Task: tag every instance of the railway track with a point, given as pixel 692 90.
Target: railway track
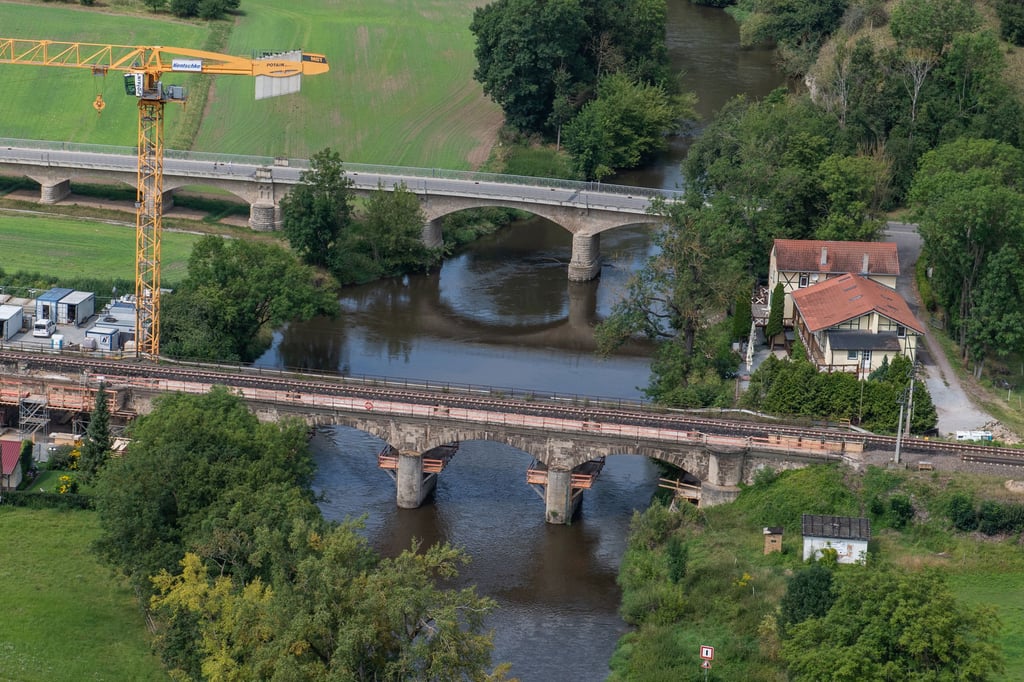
pixel 453 395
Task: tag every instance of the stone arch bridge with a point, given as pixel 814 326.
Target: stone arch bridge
pixel 564 438
pixel 585 209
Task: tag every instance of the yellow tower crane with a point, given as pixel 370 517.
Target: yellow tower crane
pixel 276 74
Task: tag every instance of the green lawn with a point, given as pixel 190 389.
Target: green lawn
pixel 53 103
pixel 64 616
pixel 1004 592
pixel 74 248
pixel 400 90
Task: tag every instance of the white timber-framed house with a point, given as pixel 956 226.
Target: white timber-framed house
pixel 852 324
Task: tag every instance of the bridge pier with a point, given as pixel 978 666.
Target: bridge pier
pixel 51 193
pixel 168 199
pixel 413 484
pixel 585 264
pixel 264 217
pixel 432 237
pixel 560 500
pixel 725 471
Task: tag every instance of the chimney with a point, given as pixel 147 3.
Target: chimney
pixel 864 267
pixel 824 256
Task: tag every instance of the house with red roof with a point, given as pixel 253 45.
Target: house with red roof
pixel 850 323
pixel 800 263
pixel 10 468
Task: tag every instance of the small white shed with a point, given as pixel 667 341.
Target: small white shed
pixel 76 307
pixel 11 317
pixel 107 338
pixel 847 535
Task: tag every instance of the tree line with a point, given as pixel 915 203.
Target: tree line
pixel 592 74
pixel 921 115
pixel 210 516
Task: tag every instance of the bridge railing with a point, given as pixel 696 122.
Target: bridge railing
pixel 303 164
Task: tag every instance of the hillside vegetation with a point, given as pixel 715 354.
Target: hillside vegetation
pixel 693 578
pixel 400 90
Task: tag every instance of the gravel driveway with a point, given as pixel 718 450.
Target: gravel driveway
pixel 956 411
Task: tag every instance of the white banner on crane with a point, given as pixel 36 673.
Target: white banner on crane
pixel 269 86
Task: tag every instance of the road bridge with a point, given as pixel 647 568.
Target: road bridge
pixel 585 209
pixel 566 435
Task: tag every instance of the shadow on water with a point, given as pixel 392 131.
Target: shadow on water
pixel 554 585
pixel 502 313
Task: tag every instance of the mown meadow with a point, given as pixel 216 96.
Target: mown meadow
pixel 65 616
pixel 400 90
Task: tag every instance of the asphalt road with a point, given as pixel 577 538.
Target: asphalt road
pixel 582 195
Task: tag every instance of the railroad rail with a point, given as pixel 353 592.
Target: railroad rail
pixel 445 397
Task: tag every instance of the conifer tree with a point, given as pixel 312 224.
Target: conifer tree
pixel 97 440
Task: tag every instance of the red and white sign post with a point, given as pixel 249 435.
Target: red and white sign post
pixel 707 654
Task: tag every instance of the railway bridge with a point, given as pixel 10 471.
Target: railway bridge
pixel 584 209
pixel 422 424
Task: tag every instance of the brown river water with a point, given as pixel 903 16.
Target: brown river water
pixel 503 314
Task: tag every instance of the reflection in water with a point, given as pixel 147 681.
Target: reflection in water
pixel 554 585
pixel 503 314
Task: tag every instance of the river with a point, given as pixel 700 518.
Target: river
pixel 502 313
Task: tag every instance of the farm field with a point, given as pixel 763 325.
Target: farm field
pixel 400 90
pixel 65 617
pixel 52 103
pixel 79 248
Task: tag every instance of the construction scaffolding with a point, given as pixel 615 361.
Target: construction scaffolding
pixel 33 416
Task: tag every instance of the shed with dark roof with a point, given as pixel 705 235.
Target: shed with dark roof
pixel 848 536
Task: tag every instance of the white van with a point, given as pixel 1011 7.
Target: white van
pixel 44 328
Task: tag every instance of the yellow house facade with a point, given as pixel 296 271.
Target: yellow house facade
pixel 851 324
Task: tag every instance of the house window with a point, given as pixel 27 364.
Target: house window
pixel 901 331
pixel 803 281
pixel 851 355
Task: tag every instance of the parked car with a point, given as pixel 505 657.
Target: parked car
pixel 44 328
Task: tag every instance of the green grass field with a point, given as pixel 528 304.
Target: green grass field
pixel 400 90
pixel 52 103
pixel 1005 593
pixel 74 248
pixel 65 618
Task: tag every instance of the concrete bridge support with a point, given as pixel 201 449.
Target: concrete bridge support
pixel 586 257
pixel 52 192
pixel 413 484
pixel 560 501
pixel 264 217
pixel 725 471
pixel 432 237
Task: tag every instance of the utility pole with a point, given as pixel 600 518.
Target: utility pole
pixel 899 432
pixel 910 401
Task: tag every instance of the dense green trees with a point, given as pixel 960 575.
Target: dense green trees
pixel 627 122
pixel 603 62
pixel 210 513
pixel 797 27
pixel 1011 20
pixel 322 226
pixel 969 199
pixel 795 387
pixel 521 44
pixel 676 298
pixel 891 625
pixel 236 291
pixel 318 211
pixel 780 168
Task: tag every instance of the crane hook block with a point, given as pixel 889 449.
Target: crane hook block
pixel 98 104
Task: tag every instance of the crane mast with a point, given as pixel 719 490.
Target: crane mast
pixel 143 67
